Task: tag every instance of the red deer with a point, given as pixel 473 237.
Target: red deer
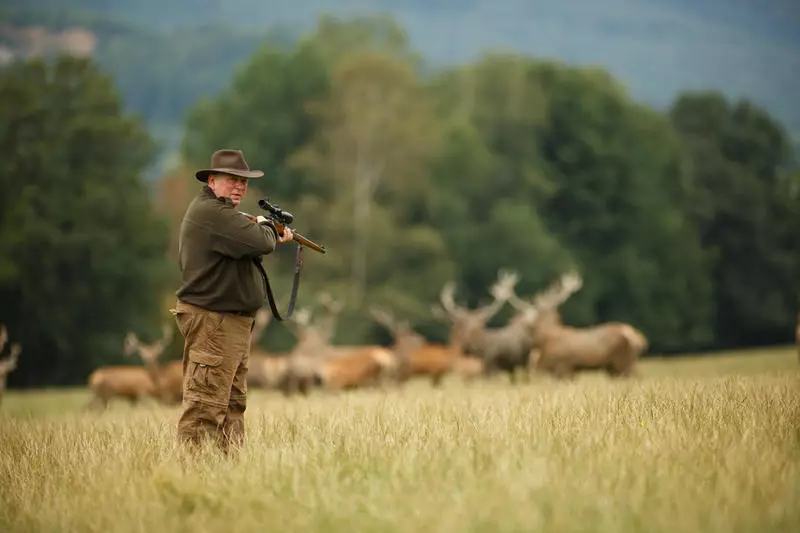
pixel 504 348
pixel 264 370
pixel 417 357
pixel 8 364
pixel 167 377
pixel 121 381
pixel 316 362
pixel 564 350
pixel 313 339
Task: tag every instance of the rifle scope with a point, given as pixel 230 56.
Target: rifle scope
pixel 284 217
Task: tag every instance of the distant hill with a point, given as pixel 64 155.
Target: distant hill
pixel 745 48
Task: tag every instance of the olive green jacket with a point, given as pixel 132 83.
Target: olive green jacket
pixel 217 248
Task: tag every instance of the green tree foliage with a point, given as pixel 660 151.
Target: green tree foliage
pixel 745 208
pixel 82 253
pixel 375 134
pixel 579 175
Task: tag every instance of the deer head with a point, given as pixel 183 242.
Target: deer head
pixel 467 323
pixel 332 309
pixel 405 338
pixel 300 325
pixel 148 352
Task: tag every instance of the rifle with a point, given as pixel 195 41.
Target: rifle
pixel 281 220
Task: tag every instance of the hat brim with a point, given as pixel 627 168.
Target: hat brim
pixel 202 175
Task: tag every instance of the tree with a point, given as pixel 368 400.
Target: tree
pixel 374 132
pixel 584 177
pixel 83 252
pixel 745 209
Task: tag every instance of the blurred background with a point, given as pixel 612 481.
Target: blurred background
pixel 652 145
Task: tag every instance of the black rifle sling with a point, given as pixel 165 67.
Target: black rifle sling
pixel 295 284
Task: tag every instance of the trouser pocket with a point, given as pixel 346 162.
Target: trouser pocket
pixel 206 377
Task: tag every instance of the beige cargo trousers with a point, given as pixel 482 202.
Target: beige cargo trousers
pixel 215 357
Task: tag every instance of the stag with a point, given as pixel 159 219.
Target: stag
pixel 313 345
pixel 504 348
pixel 122 381
pixel 8 364
pixel 264 370
pixel 417 357
pixel 564 350
pixel 315 361
pixel 167 377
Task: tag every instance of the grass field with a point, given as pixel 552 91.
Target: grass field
pixel 696 444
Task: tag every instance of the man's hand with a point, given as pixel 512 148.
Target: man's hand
pixel 286 236
pixel 282 238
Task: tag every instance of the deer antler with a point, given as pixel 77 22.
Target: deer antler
pixel 131 344
pixel 3 336
pixel 501 290
pixel 447 299
pixel 10 364
pixel 300 319
pixel 558 292
pixel 385 318
pixel 166 338
pixel 329 303
pixel 166 335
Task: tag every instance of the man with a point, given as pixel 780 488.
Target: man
pixel 221 290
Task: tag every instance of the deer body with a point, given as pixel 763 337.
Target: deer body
pixel 315 362
pixel 505 349
pixel 129 382
pixel 356 367
pixel 613 347
pixel 266 371
pixel 415 356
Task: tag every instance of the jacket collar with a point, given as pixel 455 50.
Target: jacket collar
pixel 209 194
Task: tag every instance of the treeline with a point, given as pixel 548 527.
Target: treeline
pixel 681 223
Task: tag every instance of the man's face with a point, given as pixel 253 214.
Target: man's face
pixel 229 186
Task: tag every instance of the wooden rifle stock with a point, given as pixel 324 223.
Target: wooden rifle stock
pixel 296 237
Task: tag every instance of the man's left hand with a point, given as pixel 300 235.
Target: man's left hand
pixel 286 236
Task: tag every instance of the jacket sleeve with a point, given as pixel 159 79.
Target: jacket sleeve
pixel 235 236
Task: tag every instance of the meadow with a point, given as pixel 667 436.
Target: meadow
pixel 695 444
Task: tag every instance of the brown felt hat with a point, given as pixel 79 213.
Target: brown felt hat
pixel 228 162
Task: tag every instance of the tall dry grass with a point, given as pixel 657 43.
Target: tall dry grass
pixel 682 449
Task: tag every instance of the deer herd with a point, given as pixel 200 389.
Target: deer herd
pixel 534 340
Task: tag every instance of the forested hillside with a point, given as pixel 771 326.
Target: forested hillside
pixel 656 48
